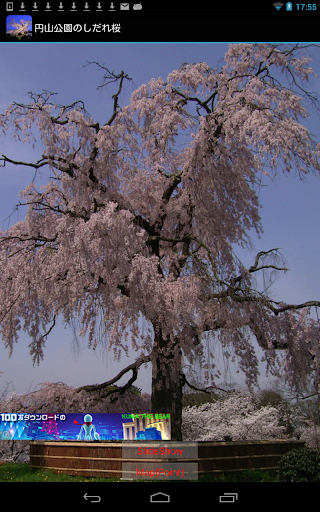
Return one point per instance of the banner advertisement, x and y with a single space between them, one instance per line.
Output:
85 427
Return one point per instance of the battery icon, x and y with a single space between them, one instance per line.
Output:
228 497
289 6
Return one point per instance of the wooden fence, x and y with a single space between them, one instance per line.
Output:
104 459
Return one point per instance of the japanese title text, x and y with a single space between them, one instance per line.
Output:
78 27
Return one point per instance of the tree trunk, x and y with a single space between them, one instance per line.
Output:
166 394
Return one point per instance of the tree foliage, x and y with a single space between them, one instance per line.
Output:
301 465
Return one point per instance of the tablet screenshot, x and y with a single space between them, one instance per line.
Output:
159 251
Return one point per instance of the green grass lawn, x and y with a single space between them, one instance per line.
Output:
23 473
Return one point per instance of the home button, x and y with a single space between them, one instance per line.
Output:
160 497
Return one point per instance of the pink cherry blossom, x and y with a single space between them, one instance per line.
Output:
140 216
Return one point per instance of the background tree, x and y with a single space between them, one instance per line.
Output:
56 397
133 236
237 416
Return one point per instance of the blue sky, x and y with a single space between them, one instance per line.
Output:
290 209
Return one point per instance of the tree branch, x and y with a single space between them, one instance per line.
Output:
37 165
255 268
47 160
52 326
186 98
110 77
205 390
121 389
287 307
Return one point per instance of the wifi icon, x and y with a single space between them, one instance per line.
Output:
278 5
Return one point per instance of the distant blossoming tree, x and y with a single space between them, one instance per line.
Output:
133 235
237 417
56 397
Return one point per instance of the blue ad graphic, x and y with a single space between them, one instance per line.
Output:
85 427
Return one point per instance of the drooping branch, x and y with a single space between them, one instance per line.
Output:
51 327
209 389
287 307
46 160
118 389
274 306
239 290
256 267
37 165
